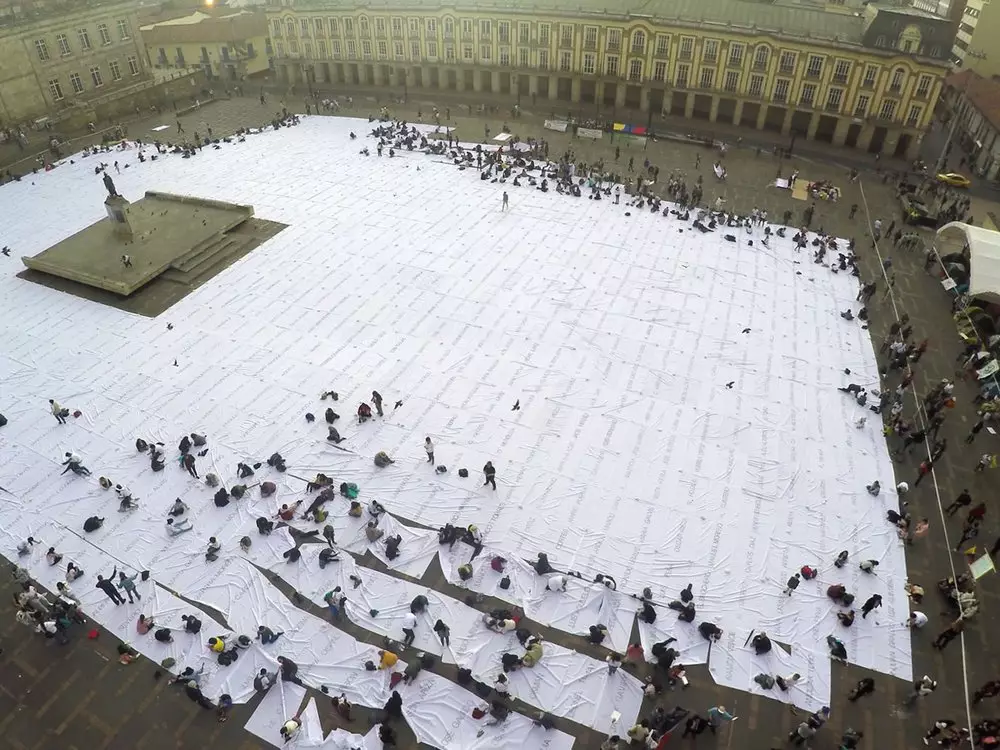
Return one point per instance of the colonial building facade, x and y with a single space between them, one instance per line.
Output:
817 74
59 57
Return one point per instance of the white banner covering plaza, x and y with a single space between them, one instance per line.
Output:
618 336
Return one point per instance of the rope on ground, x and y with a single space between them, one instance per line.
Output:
927 447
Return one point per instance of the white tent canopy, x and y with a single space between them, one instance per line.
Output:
984 246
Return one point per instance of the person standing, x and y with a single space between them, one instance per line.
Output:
57 411
963 500
695 726
409 623
939 726
854 210
127 584
108 587
377 400
926 467
970 531
429 448
717 715
874 602
506 202
490 473
793 583
947 635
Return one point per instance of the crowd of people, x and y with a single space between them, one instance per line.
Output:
527 165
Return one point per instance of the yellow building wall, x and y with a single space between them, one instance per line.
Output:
475 40
20 94
192 55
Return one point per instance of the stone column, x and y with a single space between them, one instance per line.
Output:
575 90
738 112
713 110
761 116
786 124
620 93
476 81
840 132
553 87
689 105
813 126
865 137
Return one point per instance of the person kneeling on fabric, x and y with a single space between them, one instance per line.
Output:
533 655
510 662
597 634
761 643
328 555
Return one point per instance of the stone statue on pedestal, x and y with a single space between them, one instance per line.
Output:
110 185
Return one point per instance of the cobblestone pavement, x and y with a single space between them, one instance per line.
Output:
78 696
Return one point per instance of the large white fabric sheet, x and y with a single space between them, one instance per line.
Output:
628 456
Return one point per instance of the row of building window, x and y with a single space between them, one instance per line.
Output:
710 54
76 81
589 64
65 48
637 42
226 54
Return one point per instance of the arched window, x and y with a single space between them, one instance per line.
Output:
760 56
897 80
638 42
363 25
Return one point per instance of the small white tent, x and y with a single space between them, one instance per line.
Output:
984 249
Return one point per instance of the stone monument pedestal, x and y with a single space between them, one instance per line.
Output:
117 208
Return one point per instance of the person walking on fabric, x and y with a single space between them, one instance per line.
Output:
491 475
107 585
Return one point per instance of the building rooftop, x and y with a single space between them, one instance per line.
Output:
785 20
15 14
194 19
982 93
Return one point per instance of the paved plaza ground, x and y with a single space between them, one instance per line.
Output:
78 696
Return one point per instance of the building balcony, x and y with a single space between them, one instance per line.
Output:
685 55
832 108
814 74
759 65
918 94
839 79
786 70
590 46
731 63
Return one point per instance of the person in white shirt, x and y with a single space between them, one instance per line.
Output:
409 623
556 583
429 447
917 620
501 687
290 728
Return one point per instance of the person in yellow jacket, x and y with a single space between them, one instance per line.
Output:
533 655
217 644
387 660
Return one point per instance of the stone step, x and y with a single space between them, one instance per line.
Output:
206 262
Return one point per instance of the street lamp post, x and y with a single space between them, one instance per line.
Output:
939 164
